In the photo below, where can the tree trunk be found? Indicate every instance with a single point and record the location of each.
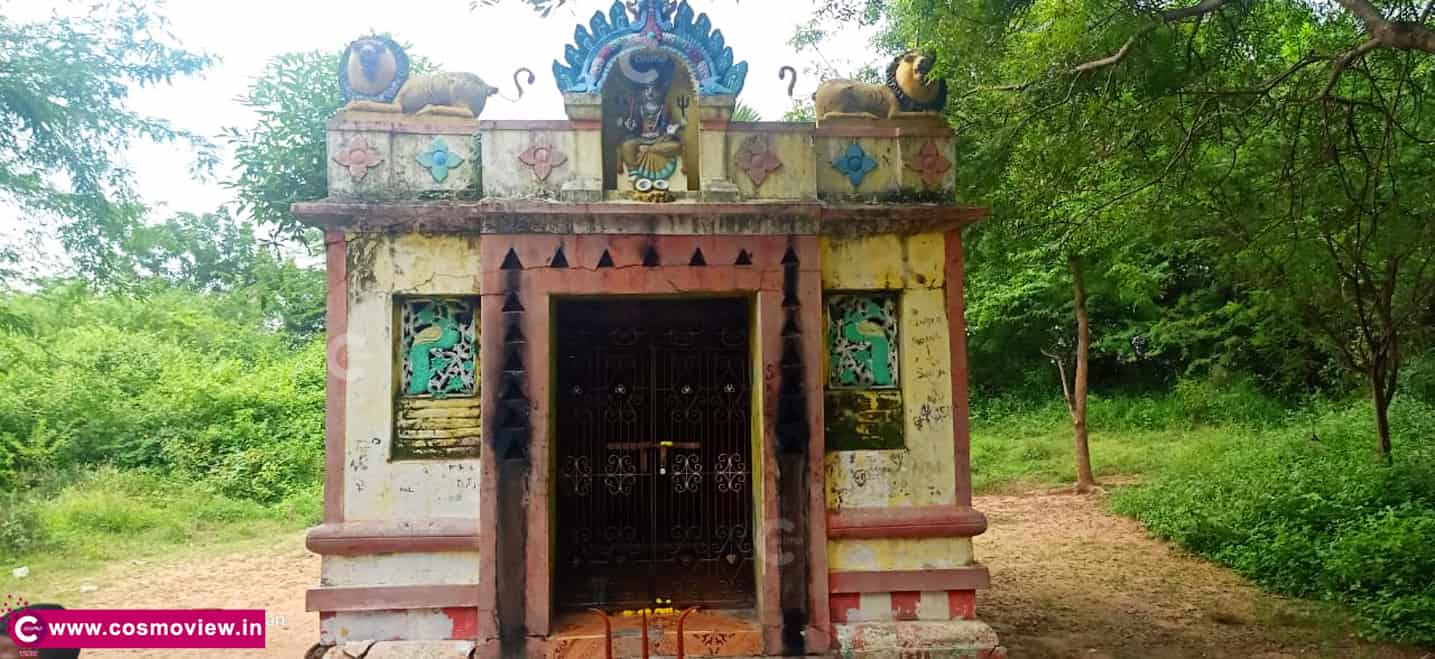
(1085, 480)
(1383, 393)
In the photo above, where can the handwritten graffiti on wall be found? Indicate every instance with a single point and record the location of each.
(862, 341)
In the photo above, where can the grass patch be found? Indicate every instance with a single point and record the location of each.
(1310, 511)
(1019, 444)
(1299, 502)
(111, 515)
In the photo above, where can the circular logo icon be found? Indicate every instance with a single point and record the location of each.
(26, 628)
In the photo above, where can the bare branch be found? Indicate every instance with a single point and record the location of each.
(1066, 394)
(1194, 11)
(1395, 35)
(1117, 56)
(1179, 15)
(1383, 32)
(1366, 12)
(1344, 61)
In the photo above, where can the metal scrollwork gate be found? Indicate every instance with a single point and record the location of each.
(654, 446)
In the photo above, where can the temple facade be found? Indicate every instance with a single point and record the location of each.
(641, 360)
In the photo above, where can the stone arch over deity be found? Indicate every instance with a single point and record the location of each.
(651, 126)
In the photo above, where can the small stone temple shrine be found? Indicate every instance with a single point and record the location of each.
(644, 359)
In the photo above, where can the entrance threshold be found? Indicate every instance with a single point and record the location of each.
(722, 633)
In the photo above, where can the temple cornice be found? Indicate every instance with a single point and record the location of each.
(683, 217)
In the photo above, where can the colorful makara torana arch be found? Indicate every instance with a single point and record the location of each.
(641, 359)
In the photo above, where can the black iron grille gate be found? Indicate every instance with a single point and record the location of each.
(654, 445)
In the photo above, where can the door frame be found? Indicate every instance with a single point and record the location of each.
(531, 283)
(754, 454)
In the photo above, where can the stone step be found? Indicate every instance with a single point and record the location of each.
(705, 634)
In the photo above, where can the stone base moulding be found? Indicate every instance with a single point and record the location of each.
(910, 522)
(932, 605)
(975, 577)
(385, 598)
(959, 639)
(431, 625)
(391, 537)
(935, 595)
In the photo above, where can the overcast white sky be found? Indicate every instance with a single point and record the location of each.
(490, 41)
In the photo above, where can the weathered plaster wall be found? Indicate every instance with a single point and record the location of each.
(396, 142)
(417, 569)
(885, 179)
(884, 262)
(382, 267)
(349, 626)
(795, 179)
(574, 159)
(914, 157)
(899, 554)
(923, 472)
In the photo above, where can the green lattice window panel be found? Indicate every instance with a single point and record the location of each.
(439, 347)
(863, 401)
(862, 341)
(438, 415)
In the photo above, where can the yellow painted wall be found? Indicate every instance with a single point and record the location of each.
(922, 473)
(884, 262)
(890, 554)
(887, 177)
(795, 179)
(382, 267)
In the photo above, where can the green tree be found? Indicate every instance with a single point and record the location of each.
(218, 254)
(282, 158)
(66, 121)
(212, 252)
(1162, 122)
(1331, 218)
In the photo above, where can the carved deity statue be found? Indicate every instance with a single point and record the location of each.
(652, 137)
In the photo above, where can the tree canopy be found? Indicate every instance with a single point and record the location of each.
(1283, 144)
(66, 121)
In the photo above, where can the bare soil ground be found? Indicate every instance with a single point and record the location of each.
(1070, 581)
(271, 575)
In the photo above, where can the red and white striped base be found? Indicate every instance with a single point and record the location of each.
(906, 605)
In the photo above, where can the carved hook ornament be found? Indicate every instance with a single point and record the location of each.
(782, 75)
(519, 85)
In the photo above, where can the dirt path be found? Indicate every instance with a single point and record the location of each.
(1070, 581)
(271, 575)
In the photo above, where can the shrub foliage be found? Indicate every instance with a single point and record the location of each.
(176, 383)
(1308, 511)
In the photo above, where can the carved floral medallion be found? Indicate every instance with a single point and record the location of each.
(855, 164)
(543, 159)
(930, 164)
(757, 159)
(438, 160)
(358, 157)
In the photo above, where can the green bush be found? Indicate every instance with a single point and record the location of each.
(177, 382)
(1190, 404)
(1385, 566)
(105, 513)
(1309, 510)
(20, 527)
(1417, 379)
